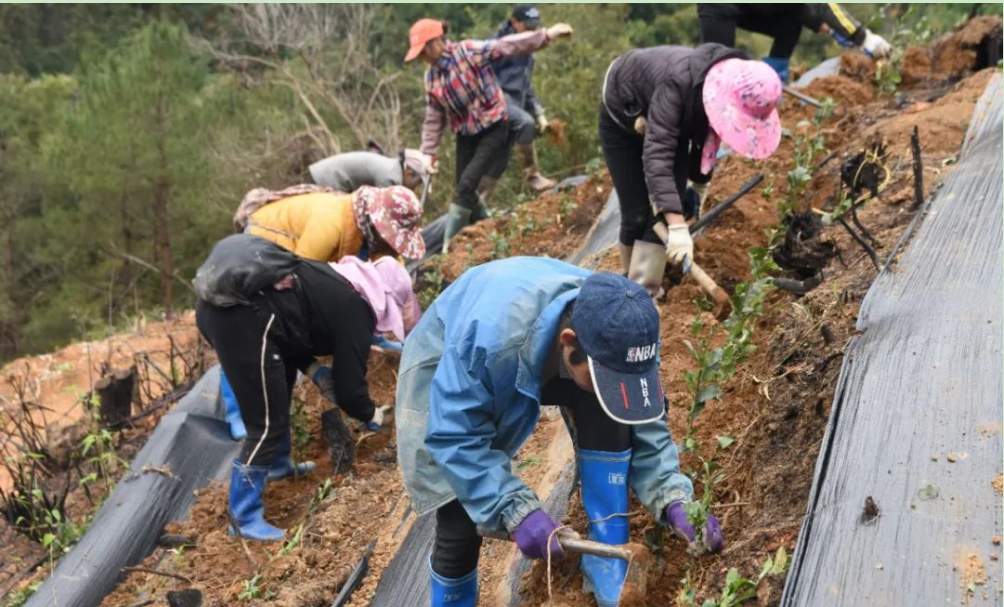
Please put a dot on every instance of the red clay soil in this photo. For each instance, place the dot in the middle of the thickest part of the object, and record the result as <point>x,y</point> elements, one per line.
<point>950,56</point>
<point>59,379</point>
<point>553,226</point>
<point>776,406</point>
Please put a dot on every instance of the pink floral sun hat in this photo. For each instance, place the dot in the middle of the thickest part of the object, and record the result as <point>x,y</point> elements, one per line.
<point>740,99</point>
<point>396,215</point>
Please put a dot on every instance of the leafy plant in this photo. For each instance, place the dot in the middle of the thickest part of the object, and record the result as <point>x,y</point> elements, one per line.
<point>737,589</point>
<point>528,462</point>
<point>716,365</point>
<point>290,545</point>
<point>500,245</point>
<point>98,446</point>
<point>434,280</point>
<point>323,492</point>
<point>566,205</point>
<point>20,597</point>
<point>251,589</point>
<point>888,73</point>
<point>841,209</point>
<point>767,191</point>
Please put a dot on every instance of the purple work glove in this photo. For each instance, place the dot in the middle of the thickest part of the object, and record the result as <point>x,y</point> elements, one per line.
<point>532,534</point>
<point>676,517</point>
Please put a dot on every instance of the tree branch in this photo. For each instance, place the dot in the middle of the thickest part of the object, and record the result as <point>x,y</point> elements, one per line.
<point>146,264</point>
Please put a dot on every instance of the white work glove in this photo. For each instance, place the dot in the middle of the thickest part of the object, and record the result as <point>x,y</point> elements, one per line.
<point>542,123</point>
<point>875,46</point>
<point>430,164</point>
<point>379,415</point>
<point>559,30</point>
<point>679,246</point>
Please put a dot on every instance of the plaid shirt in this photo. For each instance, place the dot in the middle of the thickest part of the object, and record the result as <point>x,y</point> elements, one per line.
<point>464,87</point>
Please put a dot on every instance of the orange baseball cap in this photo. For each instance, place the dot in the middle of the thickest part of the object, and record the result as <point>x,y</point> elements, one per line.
<point>420,33</point>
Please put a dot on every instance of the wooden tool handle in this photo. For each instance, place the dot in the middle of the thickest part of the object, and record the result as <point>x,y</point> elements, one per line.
<point>706,282</point>
<point>572,544</point>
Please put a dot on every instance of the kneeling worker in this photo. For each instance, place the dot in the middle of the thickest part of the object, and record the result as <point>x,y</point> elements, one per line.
<point>504,339</point>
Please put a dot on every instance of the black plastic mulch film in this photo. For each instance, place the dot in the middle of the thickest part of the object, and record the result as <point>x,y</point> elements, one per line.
<point>916,421</point>
<point>192,442</point>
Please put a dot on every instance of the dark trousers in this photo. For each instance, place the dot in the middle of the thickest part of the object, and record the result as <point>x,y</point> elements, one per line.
<point>476,156</point>
<point>784,27</point>
<point>522,131</point>
<point>623,153</point>
<point>458,545</point>
<point>246,340</point>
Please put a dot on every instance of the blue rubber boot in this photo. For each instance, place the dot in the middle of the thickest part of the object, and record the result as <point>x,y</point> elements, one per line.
<point>459,592</point>
<point>387,346</point>
<point>780,65</point>
<point>282,463</point>
<point>247,484</point>
<point>604,477</point>
<point>237,430</point>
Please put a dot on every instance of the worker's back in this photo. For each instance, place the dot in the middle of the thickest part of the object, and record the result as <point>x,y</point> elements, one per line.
<point>319,226</point>
<point>349,171</point>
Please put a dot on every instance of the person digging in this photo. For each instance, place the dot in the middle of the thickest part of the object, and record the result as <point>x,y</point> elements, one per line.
<point>526,114</point>
<point>319,224</point>
<point>664,112</point>
<point>506,338</point>
<point>269,314</point>
<point>461,90</point>
<point>783,23</point>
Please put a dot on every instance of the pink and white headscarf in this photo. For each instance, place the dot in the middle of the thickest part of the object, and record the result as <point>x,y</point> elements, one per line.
<point>386,286</point>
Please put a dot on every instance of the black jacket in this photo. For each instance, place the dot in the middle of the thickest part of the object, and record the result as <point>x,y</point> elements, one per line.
<point>324,316</point>
<point>665,84</point>
<point>812,16</point>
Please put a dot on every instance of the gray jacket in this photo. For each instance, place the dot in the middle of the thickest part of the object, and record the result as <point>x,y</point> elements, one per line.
<point>352,170</point>
<point>664,84</point>
<point>515,75</point>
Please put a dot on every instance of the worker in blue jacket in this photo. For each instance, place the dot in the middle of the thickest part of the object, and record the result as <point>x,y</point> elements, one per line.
<point>526,114</point>
<point>504,339</point>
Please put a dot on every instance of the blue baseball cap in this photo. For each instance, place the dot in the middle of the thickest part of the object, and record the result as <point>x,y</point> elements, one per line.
<point>618,327</point>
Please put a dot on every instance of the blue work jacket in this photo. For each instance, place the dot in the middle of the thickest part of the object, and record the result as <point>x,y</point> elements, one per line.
<point>468,395</point>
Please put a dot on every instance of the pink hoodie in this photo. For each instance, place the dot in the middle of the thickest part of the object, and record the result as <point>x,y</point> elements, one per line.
<point>386,286</point>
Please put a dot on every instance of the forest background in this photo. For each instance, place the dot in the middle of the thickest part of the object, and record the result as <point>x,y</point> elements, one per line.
<point>129,132</point>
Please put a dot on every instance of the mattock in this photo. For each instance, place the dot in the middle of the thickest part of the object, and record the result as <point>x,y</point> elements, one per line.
<point>637,557</point>
<point>722,301</point>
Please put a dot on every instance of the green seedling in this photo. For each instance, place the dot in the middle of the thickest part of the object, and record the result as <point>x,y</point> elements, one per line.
<point>737,589</point>
<point>528,462</point>
<point>567,205</point>
<point>251,590</point>
<point>500,245</point>
<point>20,597</point>
<point>434,279</point>
<point>290,545</point>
